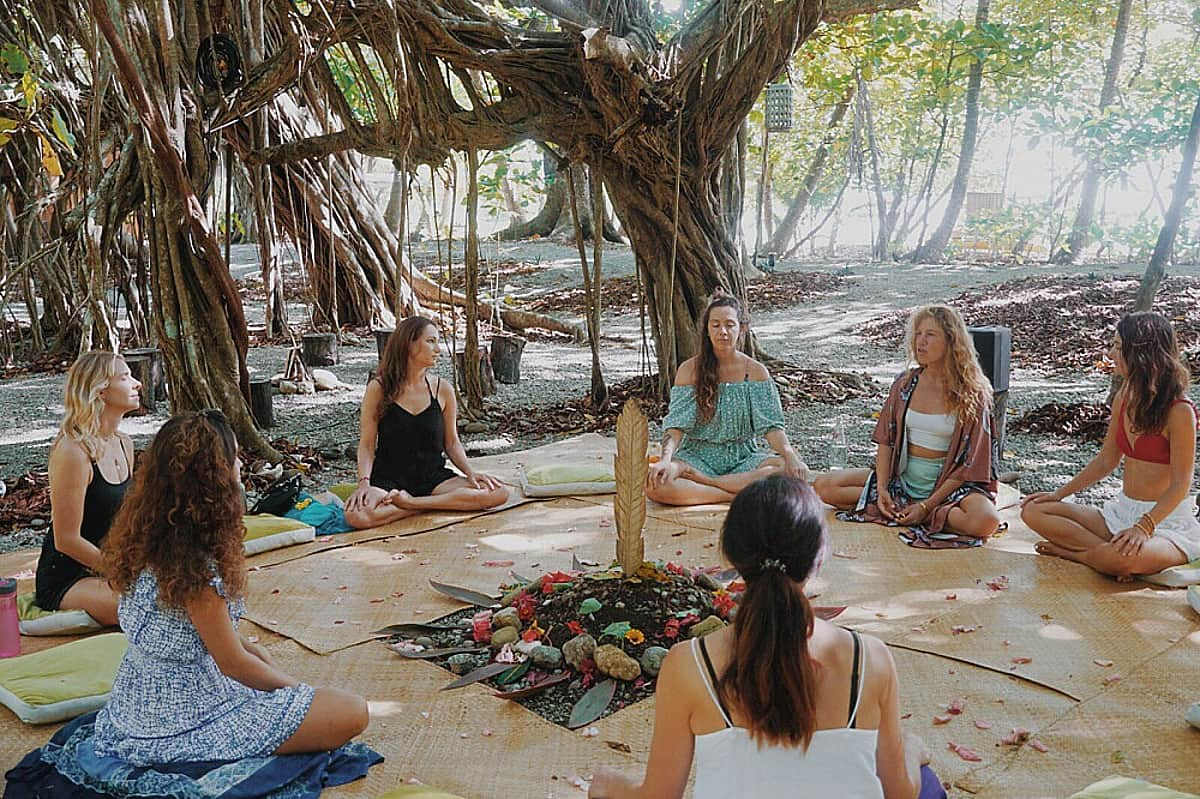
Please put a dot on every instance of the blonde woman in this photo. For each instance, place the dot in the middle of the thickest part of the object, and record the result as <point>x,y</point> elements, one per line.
<point>90,465</point>
<point>934,468</point>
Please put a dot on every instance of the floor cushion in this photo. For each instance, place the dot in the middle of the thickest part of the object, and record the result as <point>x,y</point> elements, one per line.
<point>1176,576</point>
<point>35,621</point>
<point>567,479</point>
<point>62,682</point>
<point>1126,788</point>
<point>265,532</point>
<point>343,490</point>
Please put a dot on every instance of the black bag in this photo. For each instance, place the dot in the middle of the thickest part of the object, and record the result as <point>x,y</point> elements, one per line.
<point>279,496</point>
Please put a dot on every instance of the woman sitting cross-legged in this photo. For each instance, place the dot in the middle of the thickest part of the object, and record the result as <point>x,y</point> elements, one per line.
<point>1149,527</point>
<point>407,429</point>
<point>91,462</point>
<point>781,703</point>
<point>934,466</point>
<point>722,400</point>
<point>190,688</point>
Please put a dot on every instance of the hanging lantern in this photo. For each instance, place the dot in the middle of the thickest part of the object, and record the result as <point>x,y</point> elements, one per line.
<point>779,107</point>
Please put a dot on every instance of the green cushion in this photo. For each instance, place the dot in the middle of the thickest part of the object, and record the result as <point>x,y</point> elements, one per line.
<point>343,490</point>
<point>418,792</point>
<point>265,532</point>
<point>35,621</point>
<point>63,682</point>
<point>557,473</point>
<point>1177,576</point>
<point>1126,788</point>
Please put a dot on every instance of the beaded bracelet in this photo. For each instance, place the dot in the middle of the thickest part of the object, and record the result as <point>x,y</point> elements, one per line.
<point>1147,520</point>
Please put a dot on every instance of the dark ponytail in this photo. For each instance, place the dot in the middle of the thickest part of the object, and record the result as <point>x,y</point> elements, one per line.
<point>774,535</point>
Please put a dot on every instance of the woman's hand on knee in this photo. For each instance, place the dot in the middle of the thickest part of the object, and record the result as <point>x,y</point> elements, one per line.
<point>658,473</point>
<point>1038,497</point>
<point>358,500</point>
<point>887,505</point>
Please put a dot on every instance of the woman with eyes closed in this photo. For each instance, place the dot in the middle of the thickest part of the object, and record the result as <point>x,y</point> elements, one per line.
<point>408,428</point>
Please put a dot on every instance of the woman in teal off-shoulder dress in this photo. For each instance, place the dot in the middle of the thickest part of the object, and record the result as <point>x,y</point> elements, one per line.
<point>722,402</point>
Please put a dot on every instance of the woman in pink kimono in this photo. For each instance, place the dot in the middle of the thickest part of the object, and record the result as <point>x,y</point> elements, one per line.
<point>935,466</point>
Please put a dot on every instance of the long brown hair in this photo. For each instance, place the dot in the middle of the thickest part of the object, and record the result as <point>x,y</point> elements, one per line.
<point>967,387</point>
<point>183,513</point>
<point>774,535</point>
<point>1155,374</point>
<point>708,376</point>
<point>393,366</point>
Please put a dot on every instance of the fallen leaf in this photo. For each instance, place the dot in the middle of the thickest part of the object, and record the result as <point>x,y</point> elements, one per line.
<point>845,555</point>
<point>942,719</point>
<point>1018,736</point>
<point>1038,745</point>
<point>956,707</point>
<point>965,752</point>
<point>959,629</point>
<point>1102,662</point>
<point>980,724</point>
<point>620,747</point>
<point>1022,660</point>
<point>951,597</point>
<point>1112,678</point>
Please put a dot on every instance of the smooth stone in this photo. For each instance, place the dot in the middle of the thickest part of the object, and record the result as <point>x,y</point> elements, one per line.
<point>546,657</point>
<point>505,635</point>
<point>37,524</point>
<point>475,427</point>
<point>709,625</point>
<point>508,617</point>
<point>579,649</point>
<point>461,663</point>
<point>613,661</point>
<point>424,641</point>
<point>707,581</point>
<point>652,659</point>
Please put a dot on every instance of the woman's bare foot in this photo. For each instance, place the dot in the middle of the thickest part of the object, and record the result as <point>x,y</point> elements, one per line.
<point>1051,549</point>
<point>400,498</point>
<point>689,472</point>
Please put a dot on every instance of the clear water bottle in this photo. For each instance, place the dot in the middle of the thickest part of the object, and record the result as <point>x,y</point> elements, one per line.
<point>839,450</point>
<point>10,631</point>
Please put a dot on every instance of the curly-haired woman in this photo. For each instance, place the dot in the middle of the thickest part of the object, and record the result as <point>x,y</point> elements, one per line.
<point>191,688</point>
<point>1148,527</point>
<point>407,428</point>
<point>934,464</point>
<point>721,402</point>
<point>91,461</point>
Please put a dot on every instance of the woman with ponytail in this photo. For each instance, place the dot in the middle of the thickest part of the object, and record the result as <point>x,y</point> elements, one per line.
<point>781,703</point>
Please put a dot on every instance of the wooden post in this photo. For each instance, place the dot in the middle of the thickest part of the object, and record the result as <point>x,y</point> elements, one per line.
<point>261,402</point>
<point>381,341</point>
<point>506,357</point>
<point>320,349</point>
<point>145,363</point>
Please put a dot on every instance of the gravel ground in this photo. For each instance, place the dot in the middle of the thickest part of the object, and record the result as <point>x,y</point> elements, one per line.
<point>818,334</point>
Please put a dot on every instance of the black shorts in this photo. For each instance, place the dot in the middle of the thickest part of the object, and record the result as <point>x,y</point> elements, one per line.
<point>417,485</point>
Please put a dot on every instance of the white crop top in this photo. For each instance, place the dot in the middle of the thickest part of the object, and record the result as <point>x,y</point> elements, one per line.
<point>929,430</point>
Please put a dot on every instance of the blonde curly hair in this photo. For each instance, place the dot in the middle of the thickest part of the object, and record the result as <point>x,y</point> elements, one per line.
<point>967,388</point>
<point>88,376</point>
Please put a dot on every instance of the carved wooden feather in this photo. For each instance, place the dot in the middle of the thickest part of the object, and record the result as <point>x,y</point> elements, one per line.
<point>629,505</point>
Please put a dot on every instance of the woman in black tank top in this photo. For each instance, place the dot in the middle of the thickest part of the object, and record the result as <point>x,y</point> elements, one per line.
<point>407,431</point>
<point>90,465</point>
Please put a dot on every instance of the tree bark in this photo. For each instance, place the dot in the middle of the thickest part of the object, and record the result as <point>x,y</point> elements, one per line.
<point>471,376</point>
<point>1081,228</point>
<point>812,177</point>
<point>547,218</point>
<point>1157,268</point>
<point>933,249</point>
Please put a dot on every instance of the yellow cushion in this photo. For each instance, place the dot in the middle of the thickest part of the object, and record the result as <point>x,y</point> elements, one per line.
<point>418,792</point>
<point>1126,788</point>
<point>265,532</point>
<point>63,682</point>
<point>35,621</point>
<point>557,473</point>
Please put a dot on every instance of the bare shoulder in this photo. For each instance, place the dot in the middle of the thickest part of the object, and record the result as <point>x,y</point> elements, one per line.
<point>1182,417</point>
<point>685,375</point>
<point>68,455</point>
<point>756,370</point>
<point>444,390</point>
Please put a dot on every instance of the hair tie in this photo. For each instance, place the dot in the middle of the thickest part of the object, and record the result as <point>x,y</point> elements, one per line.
<point>775,564</point>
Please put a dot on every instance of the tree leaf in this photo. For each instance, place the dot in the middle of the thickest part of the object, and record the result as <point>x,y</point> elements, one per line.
<point>481,673</point>
<point>437,653</point>
<point>515,673</point>
<point>50,158</point>
<point>629,504</point>
<point>534,689</point>
<point>592,705</point>
<point>60,130</point>
<point>467,595</point>
<point>14,60</point>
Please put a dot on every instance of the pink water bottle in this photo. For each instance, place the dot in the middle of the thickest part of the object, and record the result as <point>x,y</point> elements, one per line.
<point>10,631</point>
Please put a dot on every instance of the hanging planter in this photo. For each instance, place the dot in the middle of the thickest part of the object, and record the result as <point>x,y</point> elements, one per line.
<point>779,107</point>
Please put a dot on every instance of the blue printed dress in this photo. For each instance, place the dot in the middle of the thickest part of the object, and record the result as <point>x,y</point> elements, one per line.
<point>170,703</point>
<point>728,442</point>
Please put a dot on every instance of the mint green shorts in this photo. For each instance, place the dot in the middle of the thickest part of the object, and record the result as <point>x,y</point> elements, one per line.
<point>920,476</point>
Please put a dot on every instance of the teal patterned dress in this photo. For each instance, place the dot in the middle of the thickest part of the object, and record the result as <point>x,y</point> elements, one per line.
<point>727,443</point>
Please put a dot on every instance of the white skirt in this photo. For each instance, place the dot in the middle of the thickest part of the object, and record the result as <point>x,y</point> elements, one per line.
<point>1181,528</point>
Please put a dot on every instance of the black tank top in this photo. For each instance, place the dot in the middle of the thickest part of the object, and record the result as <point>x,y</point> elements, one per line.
<point>57,572</point>
<point>409,447</point>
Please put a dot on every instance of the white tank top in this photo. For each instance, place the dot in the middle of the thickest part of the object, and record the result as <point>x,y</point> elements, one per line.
<point>929,430</point>
<point>838,762</point>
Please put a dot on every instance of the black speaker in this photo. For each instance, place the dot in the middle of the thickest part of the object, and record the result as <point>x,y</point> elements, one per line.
<point>993,346</point>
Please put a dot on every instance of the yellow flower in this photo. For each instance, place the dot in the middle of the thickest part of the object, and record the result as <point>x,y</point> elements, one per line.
<point>635,637</point>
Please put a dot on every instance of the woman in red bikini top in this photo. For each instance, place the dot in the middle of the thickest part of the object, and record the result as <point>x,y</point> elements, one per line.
<point>1149,527</point>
